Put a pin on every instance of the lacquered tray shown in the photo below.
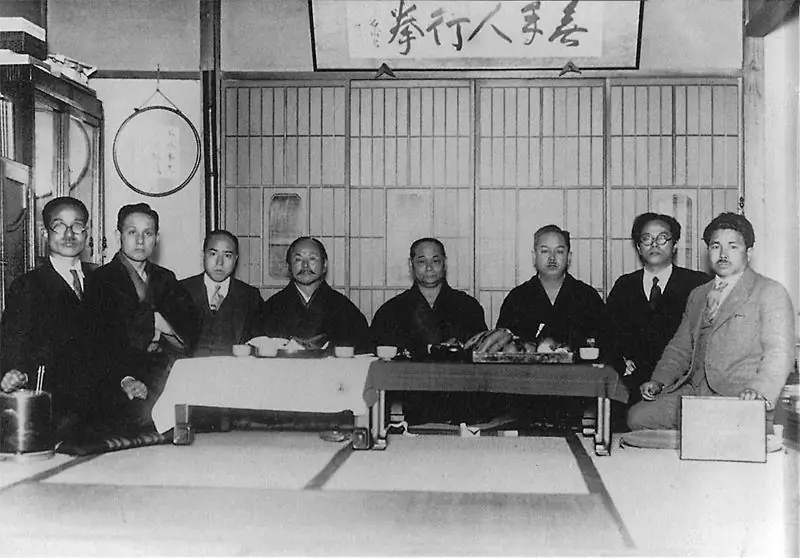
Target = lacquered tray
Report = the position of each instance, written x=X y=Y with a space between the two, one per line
x=524 y=358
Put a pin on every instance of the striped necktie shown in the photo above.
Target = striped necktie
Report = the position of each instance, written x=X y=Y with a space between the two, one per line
x=76 y=283
x=216 y=298
x=714 y=300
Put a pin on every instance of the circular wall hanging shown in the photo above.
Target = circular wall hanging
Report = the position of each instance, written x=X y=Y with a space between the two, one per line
x=156 y=151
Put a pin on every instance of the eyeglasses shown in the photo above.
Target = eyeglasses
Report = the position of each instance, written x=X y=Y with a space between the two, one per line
x=649 y=240
x=61 y=228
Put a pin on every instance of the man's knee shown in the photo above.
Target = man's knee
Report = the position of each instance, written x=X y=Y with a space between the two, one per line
x=660 y=414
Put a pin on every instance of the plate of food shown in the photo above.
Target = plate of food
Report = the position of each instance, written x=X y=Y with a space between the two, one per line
x=502 y=346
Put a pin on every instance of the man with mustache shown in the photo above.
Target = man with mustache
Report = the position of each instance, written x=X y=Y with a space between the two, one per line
x=645 y=307
x=553 y=304
x=308 y=309
x=553 y=308
x=230 y=309
x=47 y=322
x=736 y=338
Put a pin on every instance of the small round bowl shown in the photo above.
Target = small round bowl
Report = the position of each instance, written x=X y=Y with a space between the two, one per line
x=589 y=353
x=241 y=350
x=344 y=352
x=386 y=352
x=267 y=351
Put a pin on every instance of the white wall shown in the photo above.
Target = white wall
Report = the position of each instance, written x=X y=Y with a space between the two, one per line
x=774 y=206
x=182 y=220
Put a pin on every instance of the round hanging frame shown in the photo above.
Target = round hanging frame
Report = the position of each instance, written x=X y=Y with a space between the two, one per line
x=152 y=148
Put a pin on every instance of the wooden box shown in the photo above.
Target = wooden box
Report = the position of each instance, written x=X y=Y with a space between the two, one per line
x=723 y=429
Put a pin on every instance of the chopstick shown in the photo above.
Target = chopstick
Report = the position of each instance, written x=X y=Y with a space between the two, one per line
x=40 y=378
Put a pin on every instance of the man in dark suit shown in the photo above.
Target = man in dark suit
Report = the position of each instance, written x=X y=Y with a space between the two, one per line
x=645 y=307
x=47 y=323
x=308 y=309
x=736 y=338
x=146 y=321
x=553 y=304
x=230 y=309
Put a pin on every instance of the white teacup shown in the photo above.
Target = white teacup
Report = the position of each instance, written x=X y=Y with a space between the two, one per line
x=589 y=353
x=386 y=352
x=267 y=351
x=241 y=350
x=344 y=352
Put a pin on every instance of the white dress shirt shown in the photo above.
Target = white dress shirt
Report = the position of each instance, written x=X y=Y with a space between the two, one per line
x=64 y=267
x=211 y=286
x=663 y=278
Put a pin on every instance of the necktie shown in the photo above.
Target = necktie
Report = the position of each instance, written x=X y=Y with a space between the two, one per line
x=216 y=298
x=76 y=283
x=714 y=300
x=655 y=294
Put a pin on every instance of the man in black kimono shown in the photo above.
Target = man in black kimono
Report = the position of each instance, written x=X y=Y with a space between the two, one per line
x=47 y=322
x=428 y=313
x=308 y=309
x=230 y=309
x=645 y=307
x=553 y=304
x=146 y=321
x=431 y=311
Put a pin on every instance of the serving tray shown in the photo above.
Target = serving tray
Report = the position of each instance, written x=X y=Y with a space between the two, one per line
x=524 y=358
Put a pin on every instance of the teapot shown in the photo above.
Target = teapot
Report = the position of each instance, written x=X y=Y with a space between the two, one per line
x=26 y=425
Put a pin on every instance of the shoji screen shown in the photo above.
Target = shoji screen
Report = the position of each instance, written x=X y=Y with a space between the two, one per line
x=410 y=177
x=675 y=149
x=285 y=176
x=540 y=162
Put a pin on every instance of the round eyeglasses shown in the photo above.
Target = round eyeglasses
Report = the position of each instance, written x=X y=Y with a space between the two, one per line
x=648 y=240
x=61 y=228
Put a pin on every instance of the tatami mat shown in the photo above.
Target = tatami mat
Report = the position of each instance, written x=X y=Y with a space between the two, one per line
x=14 y=471
x=541 y=465
x=285 y=460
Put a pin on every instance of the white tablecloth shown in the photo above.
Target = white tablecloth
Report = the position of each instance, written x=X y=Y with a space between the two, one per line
x=326 y=385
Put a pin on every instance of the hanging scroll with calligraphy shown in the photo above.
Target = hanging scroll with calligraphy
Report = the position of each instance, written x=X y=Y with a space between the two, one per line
x=475 y=35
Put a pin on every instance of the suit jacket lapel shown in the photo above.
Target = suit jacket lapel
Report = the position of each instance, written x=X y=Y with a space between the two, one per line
x=737 y=297
x=56 y=282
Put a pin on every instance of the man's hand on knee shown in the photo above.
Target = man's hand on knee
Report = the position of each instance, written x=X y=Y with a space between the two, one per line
x=749 y=394
x=650 y=389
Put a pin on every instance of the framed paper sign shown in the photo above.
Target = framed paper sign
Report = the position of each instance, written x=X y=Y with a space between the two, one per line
x=475 y=35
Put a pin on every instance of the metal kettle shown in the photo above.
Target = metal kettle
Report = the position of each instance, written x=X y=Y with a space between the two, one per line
x=26 y=424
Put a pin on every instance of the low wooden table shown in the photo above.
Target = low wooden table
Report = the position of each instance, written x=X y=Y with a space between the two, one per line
x=576 y=380
x=323 y=385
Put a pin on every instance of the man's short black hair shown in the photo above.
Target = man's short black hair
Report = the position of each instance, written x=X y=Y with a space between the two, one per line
x=642 y=220
x=322 y=251
x=552 y=229
x=221 y=232
x=734 y=222
x=51 y=207
x=424 y=240
x=129 y=209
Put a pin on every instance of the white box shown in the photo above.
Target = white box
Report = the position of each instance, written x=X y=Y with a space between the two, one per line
x=723 y=429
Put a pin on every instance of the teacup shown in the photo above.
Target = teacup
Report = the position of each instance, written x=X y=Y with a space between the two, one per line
x=386 y=352
x=241 y=350
x=267 y=351
x=343 y=352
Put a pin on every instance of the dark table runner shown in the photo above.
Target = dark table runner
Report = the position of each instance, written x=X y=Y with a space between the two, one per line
x=580 y=380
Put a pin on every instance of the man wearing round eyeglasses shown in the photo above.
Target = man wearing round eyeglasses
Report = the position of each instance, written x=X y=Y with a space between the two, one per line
x=645 y=307
x=47 y=326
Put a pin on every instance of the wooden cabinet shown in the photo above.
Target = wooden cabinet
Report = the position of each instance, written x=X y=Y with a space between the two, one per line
x=50 y=145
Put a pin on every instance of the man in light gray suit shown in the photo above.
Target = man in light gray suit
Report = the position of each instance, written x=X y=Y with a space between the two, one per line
x=736 y=338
